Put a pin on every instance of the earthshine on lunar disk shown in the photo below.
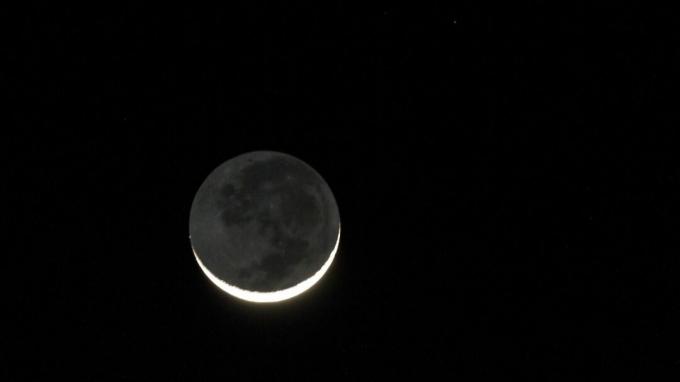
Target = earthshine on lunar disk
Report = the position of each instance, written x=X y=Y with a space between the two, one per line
x=264 y=226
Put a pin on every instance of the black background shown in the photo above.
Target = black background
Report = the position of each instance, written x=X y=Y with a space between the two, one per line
x=506 y=178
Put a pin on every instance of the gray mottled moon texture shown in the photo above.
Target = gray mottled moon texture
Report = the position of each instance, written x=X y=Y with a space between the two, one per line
x=264 y=221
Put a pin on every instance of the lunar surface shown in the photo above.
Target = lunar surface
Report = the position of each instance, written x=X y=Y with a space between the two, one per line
x=264 y=226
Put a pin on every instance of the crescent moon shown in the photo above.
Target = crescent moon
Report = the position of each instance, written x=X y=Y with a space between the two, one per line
x=264 y=227
x=275 y=296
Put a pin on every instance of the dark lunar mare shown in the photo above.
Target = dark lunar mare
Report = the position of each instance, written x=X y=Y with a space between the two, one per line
x=264 y=221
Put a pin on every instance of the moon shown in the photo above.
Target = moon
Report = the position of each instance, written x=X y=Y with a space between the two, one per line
x=264 y=226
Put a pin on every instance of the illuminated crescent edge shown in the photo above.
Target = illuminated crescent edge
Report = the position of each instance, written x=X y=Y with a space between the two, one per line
x=274 y=296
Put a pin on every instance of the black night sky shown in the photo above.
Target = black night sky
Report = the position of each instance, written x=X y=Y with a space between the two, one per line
x=507 y=178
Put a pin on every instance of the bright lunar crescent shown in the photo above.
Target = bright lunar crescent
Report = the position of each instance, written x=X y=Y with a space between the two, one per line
x=264 y=226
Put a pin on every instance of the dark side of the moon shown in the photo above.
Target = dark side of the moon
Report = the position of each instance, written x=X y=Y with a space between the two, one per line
x=264 y=221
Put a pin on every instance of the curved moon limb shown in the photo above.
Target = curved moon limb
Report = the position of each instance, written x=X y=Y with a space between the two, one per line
x=274 y=296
